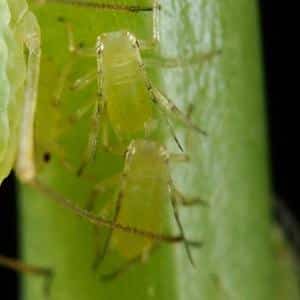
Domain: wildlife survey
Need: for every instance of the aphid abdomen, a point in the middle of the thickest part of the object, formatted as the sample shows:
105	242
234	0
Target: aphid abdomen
13	71
129	107
145	197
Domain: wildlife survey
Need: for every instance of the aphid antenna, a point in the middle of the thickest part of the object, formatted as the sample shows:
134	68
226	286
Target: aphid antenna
105	6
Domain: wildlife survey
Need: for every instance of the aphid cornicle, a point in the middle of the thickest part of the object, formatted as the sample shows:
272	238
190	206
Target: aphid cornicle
145	186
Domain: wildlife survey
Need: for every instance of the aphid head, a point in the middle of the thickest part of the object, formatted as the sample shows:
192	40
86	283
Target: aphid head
108	37
117	41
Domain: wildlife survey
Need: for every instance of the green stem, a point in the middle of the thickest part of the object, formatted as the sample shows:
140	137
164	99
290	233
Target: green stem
228	168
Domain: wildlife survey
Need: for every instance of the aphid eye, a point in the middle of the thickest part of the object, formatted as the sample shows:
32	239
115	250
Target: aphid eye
47	157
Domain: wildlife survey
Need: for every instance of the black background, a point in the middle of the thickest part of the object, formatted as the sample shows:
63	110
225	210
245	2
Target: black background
280	33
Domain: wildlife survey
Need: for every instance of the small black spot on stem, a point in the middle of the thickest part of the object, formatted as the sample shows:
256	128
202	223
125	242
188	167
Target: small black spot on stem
47	157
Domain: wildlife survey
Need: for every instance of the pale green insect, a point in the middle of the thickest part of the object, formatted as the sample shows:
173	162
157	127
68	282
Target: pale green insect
144	189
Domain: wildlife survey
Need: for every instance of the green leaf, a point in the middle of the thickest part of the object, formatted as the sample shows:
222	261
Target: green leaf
228	168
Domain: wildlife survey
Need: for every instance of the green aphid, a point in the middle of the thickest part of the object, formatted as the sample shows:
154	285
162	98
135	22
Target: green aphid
144	188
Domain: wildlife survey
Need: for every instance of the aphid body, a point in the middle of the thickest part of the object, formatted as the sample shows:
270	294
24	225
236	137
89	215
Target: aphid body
128	102
144	192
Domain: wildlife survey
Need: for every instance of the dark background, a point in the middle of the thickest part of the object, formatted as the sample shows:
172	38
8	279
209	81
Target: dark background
280	33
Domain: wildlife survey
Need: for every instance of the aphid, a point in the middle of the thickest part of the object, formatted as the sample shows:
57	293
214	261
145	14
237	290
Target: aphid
19	74
145	186
126	96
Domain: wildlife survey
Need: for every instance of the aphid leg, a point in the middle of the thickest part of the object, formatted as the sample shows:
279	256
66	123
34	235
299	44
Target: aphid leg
169	107
183	200
174	135
100	255
130	263
99	189
75	50
178	62
57	97
105	144
150	44
91	148
173	195
79	113
120	196
159	98
180	198
21	267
